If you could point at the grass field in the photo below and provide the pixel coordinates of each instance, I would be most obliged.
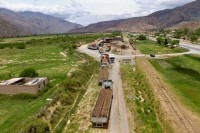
(151, 47)
(139, 101)
(52, 58)
(183, 74)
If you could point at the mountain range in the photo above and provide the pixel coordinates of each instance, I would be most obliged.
(14, 24)
(159, 20)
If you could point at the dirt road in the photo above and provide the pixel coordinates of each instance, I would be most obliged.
(118, 118)
(181, 119)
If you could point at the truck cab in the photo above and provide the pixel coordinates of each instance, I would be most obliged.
(107, 84)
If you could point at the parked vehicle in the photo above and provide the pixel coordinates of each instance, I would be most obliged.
(107, 84)
(152, 55)
(101, 112)
(111, 58)
(93, 46)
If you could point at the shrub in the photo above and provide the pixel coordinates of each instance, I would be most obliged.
(20, 46)
(2, 46)
(35, 125)
(141, 37)
(29, 72)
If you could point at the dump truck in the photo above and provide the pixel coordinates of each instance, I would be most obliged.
(103, 74)
(107, 84)
(93, 46)
(101, 112)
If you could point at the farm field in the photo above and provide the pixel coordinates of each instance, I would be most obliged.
(151, 47)
(55, 58)
(183, 74)
(22, 39)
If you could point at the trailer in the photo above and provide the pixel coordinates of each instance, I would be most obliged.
(103, 74)
(101, 112)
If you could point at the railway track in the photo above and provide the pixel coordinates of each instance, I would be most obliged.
(184, 122)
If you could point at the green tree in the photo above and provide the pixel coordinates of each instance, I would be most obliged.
(166, 41)
(175, 42)
(29, 72)
(178, 34)
(185, 31)
(160, 40)
(141, 37)
(194, 38)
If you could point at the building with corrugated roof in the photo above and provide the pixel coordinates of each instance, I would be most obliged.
(23, 85)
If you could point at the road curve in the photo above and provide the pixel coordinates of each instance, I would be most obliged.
(194, 49)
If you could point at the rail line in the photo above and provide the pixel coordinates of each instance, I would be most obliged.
(185, 121)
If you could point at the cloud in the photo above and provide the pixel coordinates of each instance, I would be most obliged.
(146, 7)
(91, 11)
(90, 18)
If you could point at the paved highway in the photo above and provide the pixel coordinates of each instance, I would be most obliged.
(195, 49)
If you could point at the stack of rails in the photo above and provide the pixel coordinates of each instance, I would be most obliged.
(101, 112)
(103, 74)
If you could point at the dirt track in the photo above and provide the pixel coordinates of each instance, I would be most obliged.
(181, 119)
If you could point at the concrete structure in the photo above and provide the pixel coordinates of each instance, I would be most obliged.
(23, 85)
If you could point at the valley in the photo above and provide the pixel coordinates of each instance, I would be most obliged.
(135, 70)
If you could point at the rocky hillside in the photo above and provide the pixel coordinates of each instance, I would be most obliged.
(158, 20)
(28, 23)
(192, 25)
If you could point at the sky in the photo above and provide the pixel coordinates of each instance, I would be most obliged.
(91, 11)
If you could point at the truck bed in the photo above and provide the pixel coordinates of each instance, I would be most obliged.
(101, 112)
(103, 74)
